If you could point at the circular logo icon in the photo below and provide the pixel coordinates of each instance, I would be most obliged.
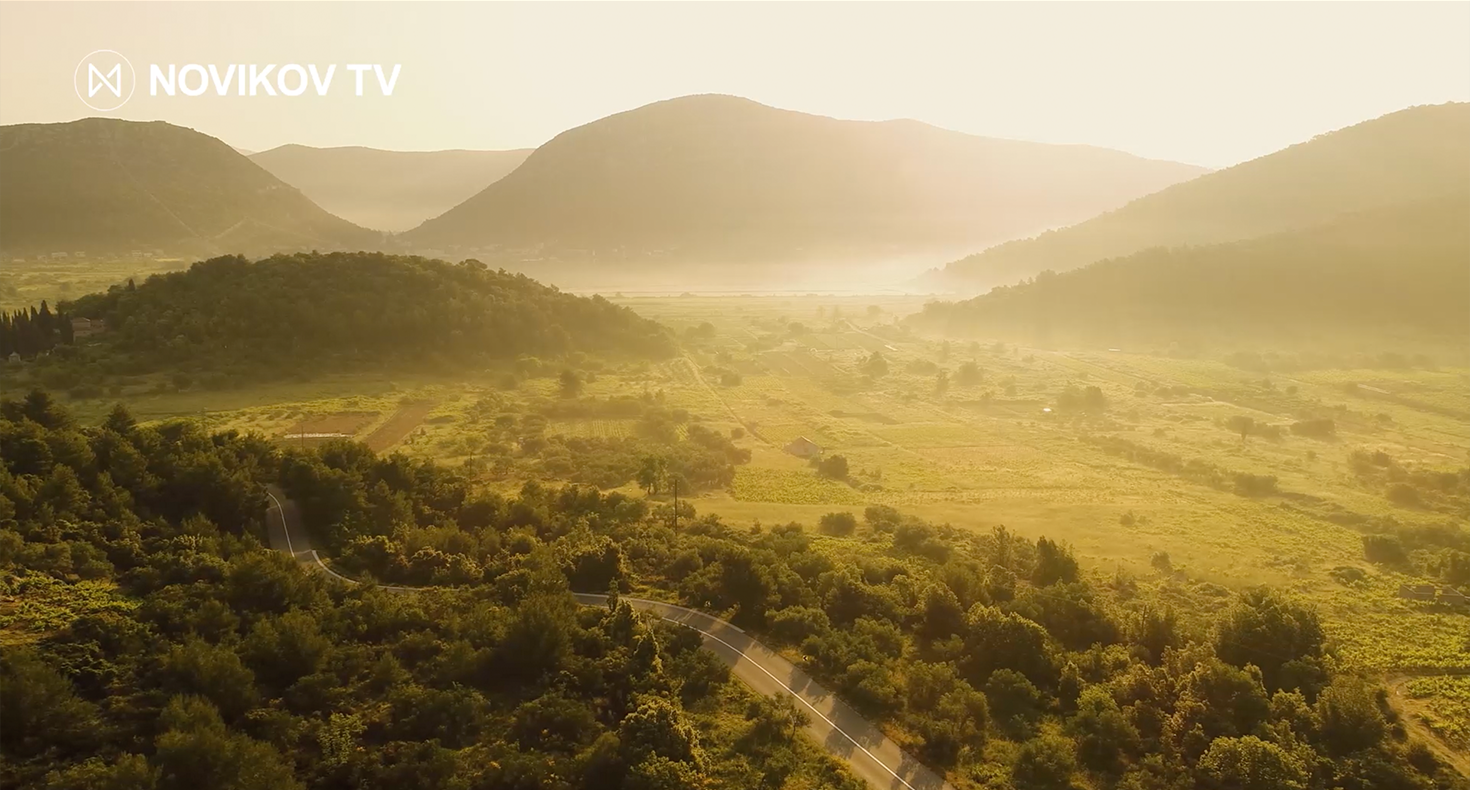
(104, 80)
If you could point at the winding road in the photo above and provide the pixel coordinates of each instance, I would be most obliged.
(870, 754)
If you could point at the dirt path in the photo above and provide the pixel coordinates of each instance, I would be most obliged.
(699, 377)
(1412, 710)
(401, 424)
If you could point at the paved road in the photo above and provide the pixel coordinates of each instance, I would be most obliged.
(871, 755)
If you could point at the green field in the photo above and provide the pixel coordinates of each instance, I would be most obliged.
(1004, 450)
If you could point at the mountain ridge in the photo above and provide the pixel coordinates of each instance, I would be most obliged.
(110, 186)
(721, 174)
(1411, 154)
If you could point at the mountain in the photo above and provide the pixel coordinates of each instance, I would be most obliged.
(1411, 155)
(1384, 273)
(312, 312)
(720, 177)
(107, 186)
(387, 190)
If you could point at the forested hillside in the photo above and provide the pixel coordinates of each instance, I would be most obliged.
(173, 652)
(104, 186)
(1418, 154)
(1378, 276)
(725, 177)
(345, 310)
(161, 647)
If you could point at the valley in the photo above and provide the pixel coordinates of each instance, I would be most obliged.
(1001, 449)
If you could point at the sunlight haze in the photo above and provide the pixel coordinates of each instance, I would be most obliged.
(1206, 84)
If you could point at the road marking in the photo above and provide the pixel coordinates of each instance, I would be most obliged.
(284, 529)
(793, 693)
(287, 532)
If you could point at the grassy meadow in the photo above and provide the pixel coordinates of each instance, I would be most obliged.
(1008, 444)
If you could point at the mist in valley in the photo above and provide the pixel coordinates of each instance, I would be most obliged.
(724, 396)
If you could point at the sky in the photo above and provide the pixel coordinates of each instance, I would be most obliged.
(1207, 83)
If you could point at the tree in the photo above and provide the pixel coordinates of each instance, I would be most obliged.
(1249, 763)
(1102, 732)
(1269, 630)
(214, 672)
(969, 375)
(41, 709)
(658, 728)
(839, 524)
(1351, 717)
(126, 772)
(653, 474)
(1014, 700)
(1046, 762)
(1241, 424)
(833, 466)
(775, 718)
(120, 421)
(1054, 563)
(942, 615)
(876, 366)
(571, 384)
(196, 751)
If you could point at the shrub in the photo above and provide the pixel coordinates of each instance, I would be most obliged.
(1322, 428)
(842, 523)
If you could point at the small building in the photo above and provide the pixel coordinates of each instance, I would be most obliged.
(802, 447)
(82, 327)
(1417, 592)
(14, 356)
(1449, 596)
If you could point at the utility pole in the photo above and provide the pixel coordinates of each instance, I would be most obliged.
(676, 504)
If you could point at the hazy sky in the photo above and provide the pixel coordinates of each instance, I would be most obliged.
(1207, 83)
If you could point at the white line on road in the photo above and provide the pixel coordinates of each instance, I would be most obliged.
(280, 511)
(793, 693)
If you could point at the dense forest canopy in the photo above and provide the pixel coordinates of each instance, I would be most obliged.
(164, 647)
(187, 656)
(104, 186)
(721, 175)
(1382, 275)
(1417, 154)
(343, 310)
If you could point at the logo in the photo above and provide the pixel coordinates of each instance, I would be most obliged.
(104, 80)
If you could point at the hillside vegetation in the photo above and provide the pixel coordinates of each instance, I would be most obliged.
(159, 646)
(387, 190)
(314, 312)
(174, 652)
(104, 186)
(1417, 154)
(724, 176)
(1377, 275)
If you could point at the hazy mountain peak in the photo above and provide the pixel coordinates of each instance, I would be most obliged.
(723, 177)
(105, 185)
(1413, 154)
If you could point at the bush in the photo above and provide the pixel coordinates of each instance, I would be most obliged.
(1384, 549)
(1322, 428)
(1254, 485)
(833, 466)
(838, 523)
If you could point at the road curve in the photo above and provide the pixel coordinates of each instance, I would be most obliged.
(870, 754)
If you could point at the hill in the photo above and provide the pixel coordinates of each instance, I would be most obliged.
(387, 190)
(1384, 273)
(1411, 155)
(313, 312)
(106, 186)
(721, 177)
